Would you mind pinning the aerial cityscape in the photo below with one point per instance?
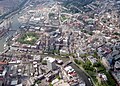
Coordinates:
(59, 42)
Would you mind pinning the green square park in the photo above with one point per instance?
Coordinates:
(28, 38)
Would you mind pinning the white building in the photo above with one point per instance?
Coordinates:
(117, 65)
(51, 63)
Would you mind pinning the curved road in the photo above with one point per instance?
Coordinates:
(81, 74)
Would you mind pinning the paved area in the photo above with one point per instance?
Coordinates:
(61, 83)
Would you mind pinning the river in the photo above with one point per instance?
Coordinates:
(14, 26)
(81, 74)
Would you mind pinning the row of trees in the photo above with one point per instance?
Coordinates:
(94, 69)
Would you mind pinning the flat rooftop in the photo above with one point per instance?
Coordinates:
(50, 59)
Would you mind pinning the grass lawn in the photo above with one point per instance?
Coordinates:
(63, 18)
(90, 69)
(28, 38)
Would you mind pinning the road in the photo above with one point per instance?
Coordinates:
(81, 74)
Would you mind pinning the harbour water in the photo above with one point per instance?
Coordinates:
(14, 26)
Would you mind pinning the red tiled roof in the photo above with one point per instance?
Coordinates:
(2, 63)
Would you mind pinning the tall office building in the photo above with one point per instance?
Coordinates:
(51, 63)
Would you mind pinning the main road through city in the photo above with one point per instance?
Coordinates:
(81, 74)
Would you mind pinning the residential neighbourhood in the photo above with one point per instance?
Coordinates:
(60, 43)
